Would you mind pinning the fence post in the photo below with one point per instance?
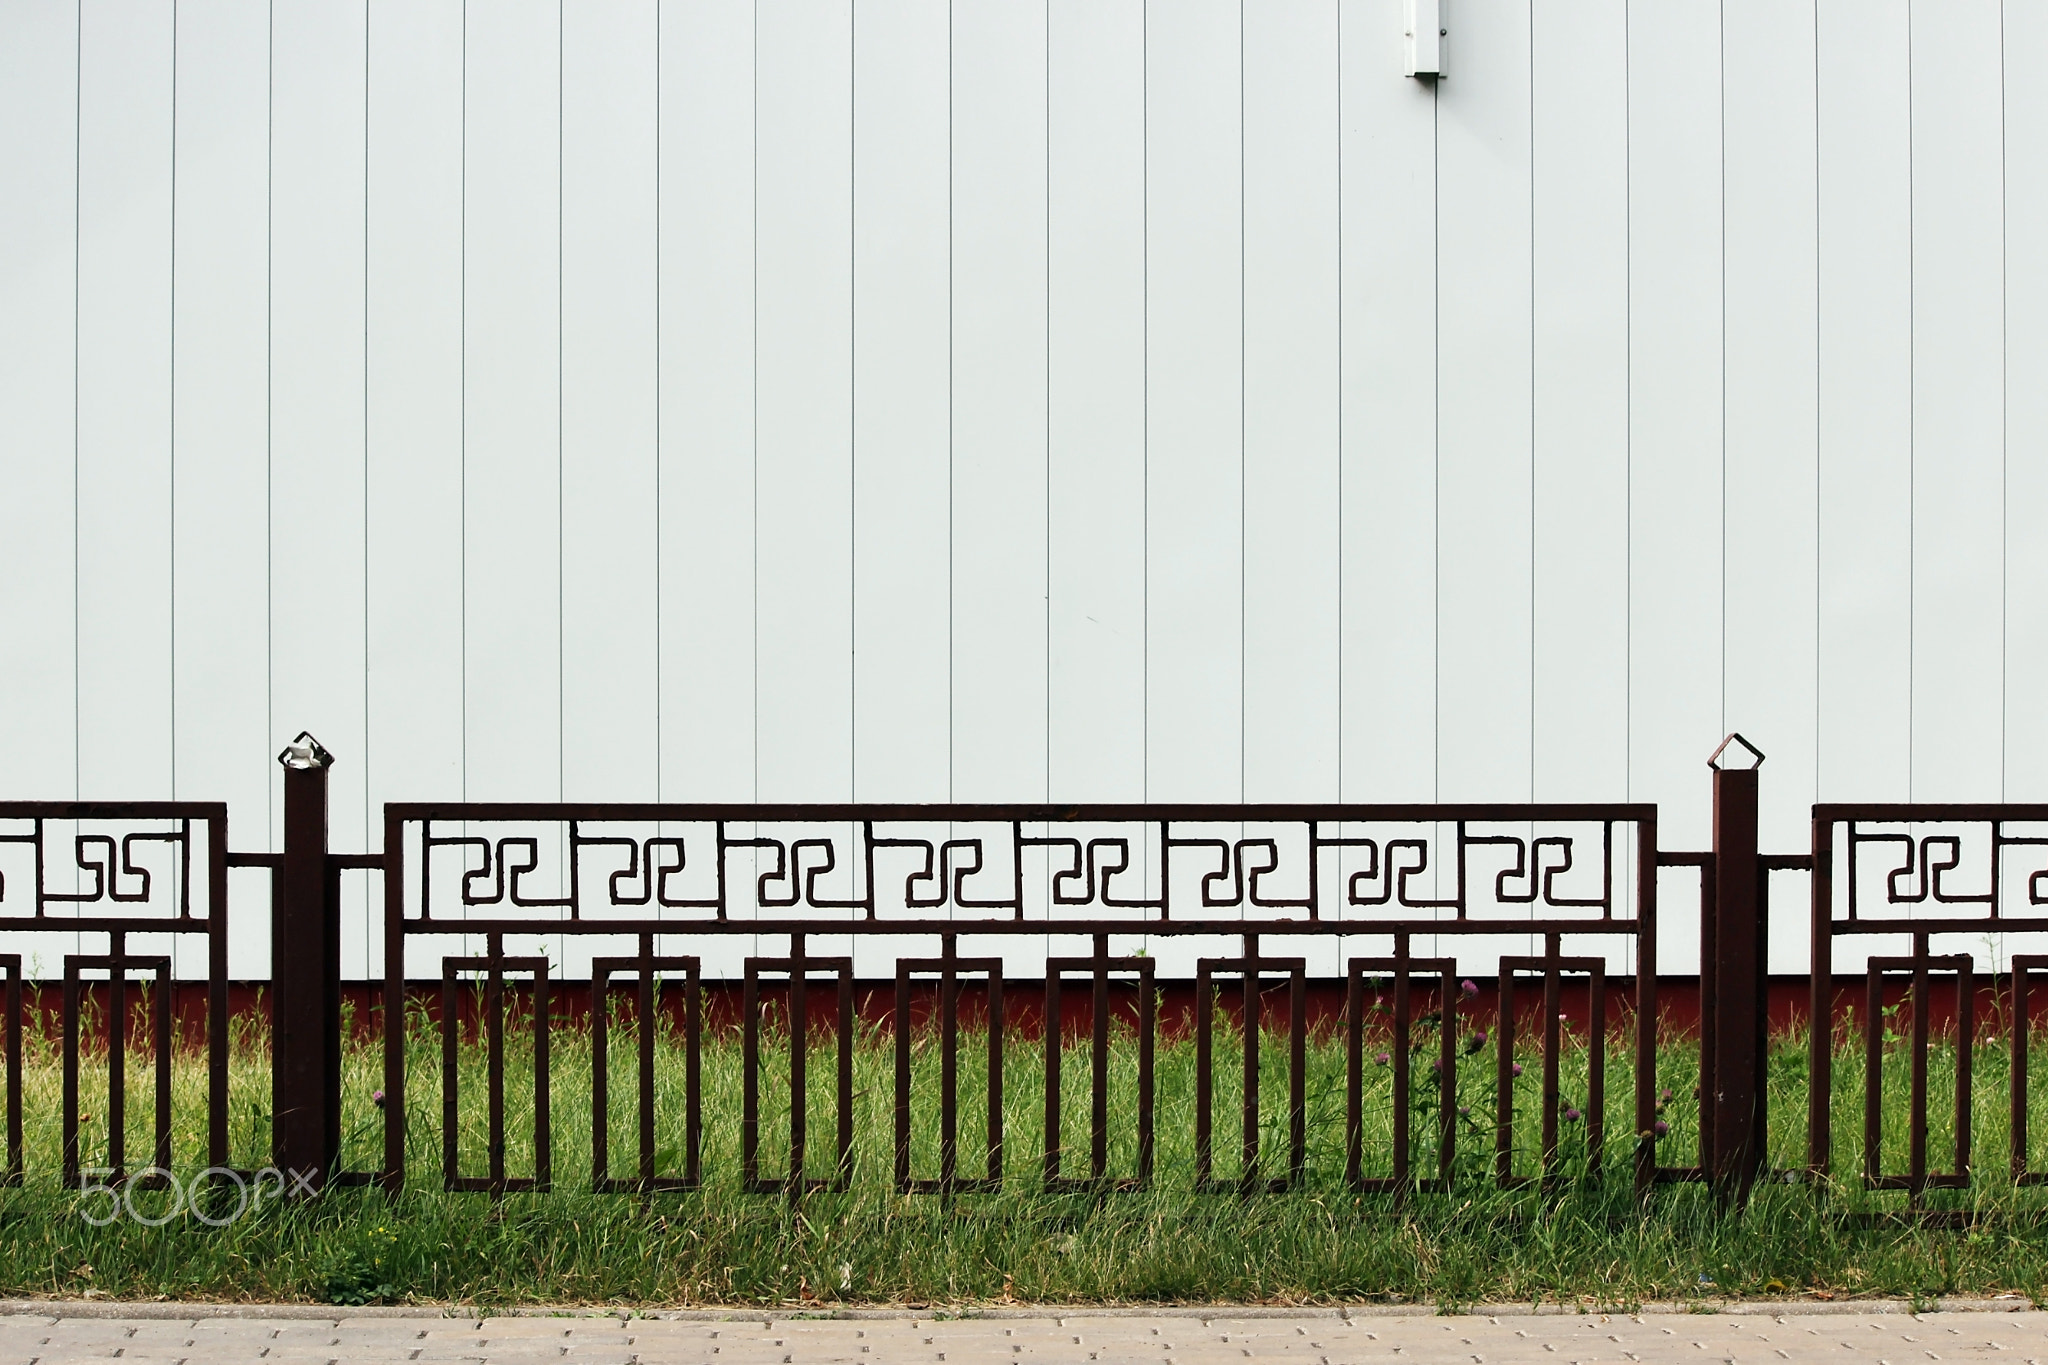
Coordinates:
(305, 980)
(1736, 1018)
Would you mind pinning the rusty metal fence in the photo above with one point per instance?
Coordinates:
(988, 919)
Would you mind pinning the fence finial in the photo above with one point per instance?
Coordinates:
(1747, 758)
(305, 753)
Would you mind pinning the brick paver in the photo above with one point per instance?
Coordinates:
(50, 1336)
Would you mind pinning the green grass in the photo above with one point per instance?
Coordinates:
(1583, 1240)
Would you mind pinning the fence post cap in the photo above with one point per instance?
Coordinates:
(1747, 757)
(305, 753)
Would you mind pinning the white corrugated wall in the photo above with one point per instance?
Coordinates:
(1087, 399)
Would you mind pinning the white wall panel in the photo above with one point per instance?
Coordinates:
(1483, 413)
(512, 469)
(1096, 400)
(318, 451)
(608, 398)
(1771, 412)
(2025, 402)
(415, 474)
(1958, 428)
(803, 103)
(219, 514)
(1291, 507)
(1194, 395)
(413, 411)
(38, 106)
(124, 402)
(707, 510)
(1388, 339)
(1579, 183)
(902, 400)
(1110, 401)
(1676, 443)
(1866, 403)
(999, 408)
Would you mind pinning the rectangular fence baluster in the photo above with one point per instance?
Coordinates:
(1966, 1031)
(1552, 1046)
(1054, 1045)
(949, 969)
(1099, 967)
(1596, 1073)
(600, 1077)
(647, 1000)
(1504, 1081)
(1354, 1086)
(543, 1136)
(750, 1068)
(1248, 1154)
(1401, 971)
(1916, 1150)
(12, 961)
(1204, 1079)
(162, 1159)
(1551, 967)
(497, 1181)
(799, 968)
(1248, 969)
(70, 1027)
(450, 1115)
(2023, 968)
(648, 1023)
(1873, 1077)
(494, 1025)
(1447, 1065)
(1098, 1074)
(117, 1062)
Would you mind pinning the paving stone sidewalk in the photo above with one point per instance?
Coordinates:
(47, 1336)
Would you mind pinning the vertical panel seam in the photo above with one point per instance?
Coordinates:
(462, 407)
(173, 412)
(853, 399)
(369, 825)
(658, 746)
(77, 408)
(951, 566)
(1912, 422)
(269, 402)
(561, 510)
(1628, 417)
(1337, 65)
(754, 371)
(2004, 421)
